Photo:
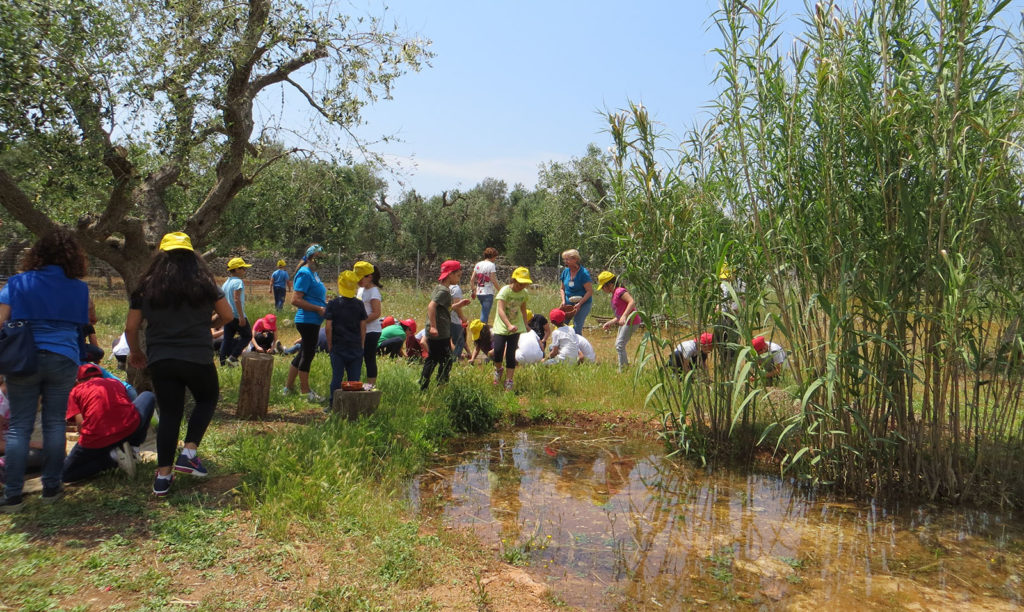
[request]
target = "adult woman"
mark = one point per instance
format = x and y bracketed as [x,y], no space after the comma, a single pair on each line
[482,282]
[369,293]
[309,295]
[624,308]
[176,296]
[576,289]
[51,297]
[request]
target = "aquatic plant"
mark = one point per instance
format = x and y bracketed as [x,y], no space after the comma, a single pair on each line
[865,188]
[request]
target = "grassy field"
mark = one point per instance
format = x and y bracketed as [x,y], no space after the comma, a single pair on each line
[302,511]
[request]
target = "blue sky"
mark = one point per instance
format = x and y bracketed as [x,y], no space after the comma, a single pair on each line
[516,84]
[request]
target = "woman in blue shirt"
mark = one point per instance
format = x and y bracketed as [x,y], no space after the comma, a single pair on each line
[51,297]
[576,290]
[309,295]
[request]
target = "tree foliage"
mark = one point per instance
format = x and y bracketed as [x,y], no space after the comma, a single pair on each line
[108,106]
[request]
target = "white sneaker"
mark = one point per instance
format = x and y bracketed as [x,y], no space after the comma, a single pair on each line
[126,459]
[286,391]
[315,397]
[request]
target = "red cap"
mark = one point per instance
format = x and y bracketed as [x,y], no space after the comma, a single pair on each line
[89,370]
[759,344]
[271,322]
[388,321]
[557,316]
[706,339]
[410,325]
[448,267]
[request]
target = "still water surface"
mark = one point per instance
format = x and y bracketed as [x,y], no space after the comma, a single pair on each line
[608,523]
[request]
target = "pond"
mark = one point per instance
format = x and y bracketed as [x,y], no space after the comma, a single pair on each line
[608,523]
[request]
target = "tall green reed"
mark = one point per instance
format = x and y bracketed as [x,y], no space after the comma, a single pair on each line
[866,186]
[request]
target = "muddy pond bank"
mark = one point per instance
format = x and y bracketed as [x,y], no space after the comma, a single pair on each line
[607,522]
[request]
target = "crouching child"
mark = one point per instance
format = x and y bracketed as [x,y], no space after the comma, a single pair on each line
[111,427]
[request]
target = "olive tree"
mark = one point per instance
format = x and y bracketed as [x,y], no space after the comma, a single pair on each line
[106,105]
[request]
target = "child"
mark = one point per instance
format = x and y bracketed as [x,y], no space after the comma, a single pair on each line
[439,336]
[392,337]
[279,284]
[480,333]
[264,334]
[234,290]
[587,353]
[511,306]
[346,331]
[692,352]
[111,427]
[529,349]
[564,346]
[624,308]
[415,341]
[369,293]
[772,356]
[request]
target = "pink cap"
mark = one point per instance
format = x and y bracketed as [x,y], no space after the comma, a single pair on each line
[706,339]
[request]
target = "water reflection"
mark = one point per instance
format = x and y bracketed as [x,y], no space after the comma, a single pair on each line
[610,523]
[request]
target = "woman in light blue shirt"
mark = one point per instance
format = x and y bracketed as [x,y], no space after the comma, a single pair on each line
[309,295]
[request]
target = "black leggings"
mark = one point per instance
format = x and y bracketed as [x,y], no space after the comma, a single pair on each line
[506,345]
[370,353]
[310,334]
[170,379]
[439,355]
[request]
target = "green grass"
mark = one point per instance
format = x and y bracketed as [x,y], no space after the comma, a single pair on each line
[293,499]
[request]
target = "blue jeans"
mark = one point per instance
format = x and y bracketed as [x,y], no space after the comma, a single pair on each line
[85,462]
[345,364]
[458,339]
[486,302]
[279,293]
[581,315]
[52,382]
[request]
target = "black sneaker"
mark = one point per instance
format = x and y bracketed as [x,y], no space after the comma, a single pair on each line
[52,494]
[162,486]
[190,466]
[11,504]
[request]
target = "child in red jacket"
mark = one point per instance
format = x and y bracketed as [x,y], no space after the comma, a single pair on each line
[111,427]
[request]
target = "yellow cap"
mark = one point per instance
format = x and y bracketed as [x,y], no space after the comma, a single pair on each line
[280,263]
[347,284]
[237,262]
[176,240]
[522,275]
[725,272]
[529,315]
[603,278]
[475,327]
[362,268]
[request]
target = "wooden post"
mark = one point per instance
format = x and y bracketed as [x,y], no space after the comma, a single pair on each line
[254,389]
[354,404]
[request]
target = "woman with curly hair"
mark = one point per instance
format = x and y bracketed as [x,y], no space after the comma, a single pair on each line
[179,299]
[53,299]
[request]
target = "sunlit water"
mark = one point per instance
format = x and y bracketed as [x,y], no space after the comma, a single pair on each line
[607,523]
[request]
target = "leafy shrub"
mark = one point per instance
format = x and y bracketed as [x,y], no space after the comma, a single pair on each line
[471,406]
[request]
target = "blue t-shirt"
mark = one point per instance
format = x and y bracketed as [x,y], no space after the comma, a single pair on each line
[230,286]
[307,282]
[56,323]
[279,278]
[575,286]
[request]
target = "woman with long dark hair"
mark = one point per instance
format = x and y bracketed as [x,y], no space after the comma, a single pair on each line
[50,295]
[309,295]
[180,301]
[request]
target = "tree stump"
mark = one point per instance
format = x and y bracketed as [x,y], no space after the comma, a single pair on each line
[354,404]
[254,389]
